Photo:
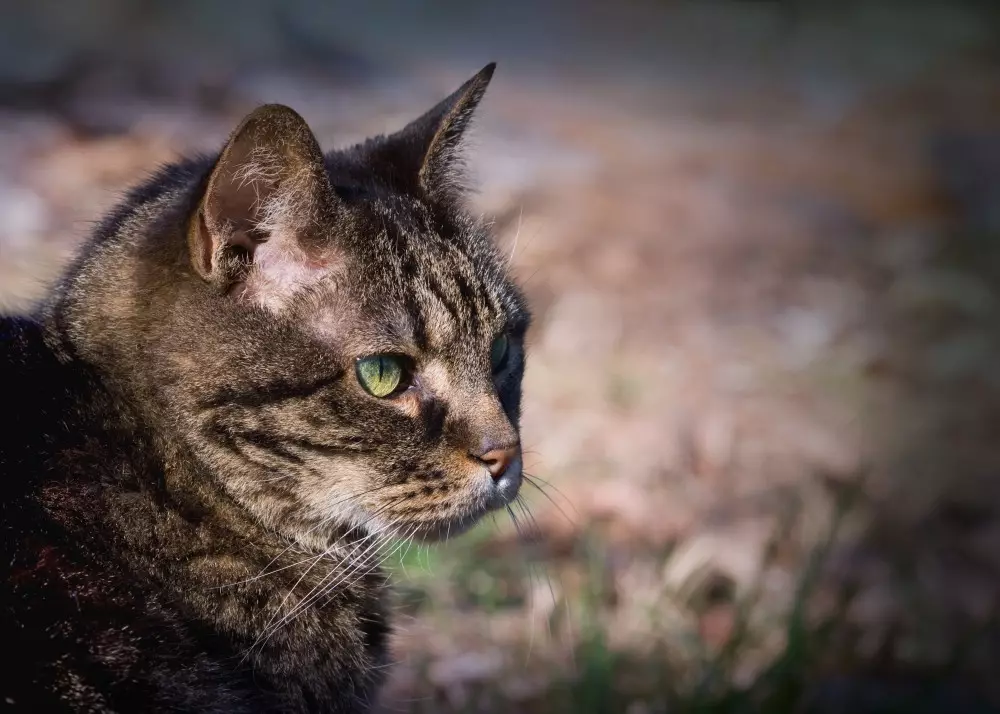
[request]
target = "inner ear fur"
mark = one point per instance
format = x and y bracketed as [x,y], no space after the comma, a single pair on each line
[267,187]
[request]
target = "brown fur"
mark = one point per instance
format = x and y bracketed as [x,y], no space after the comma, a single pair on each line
[197,496]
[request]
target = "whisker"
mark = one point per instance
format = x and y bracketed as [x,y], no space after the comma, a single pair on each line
[373,560]
[548,581]
[317,525]
[403,556]
[282,603]
[524,283]
[517,234]
[534,530]
[380,560]
[323,588]
[272,626]
[263,574]
[513,518]
[531,583]
[400,542]
[533,482]
[548,484]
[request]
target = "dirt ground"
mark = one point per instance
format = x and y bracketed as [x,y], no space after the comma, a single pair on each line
[761,243]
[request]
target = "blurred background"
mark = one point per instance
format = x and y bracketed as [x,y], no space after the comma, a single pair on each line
[760,238]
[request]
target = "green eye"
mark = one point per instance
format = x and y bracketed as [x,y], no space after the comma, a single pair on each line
[380,375]
[498,352]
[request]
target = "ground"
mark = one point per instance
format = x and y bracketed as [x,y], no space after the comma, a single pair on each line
[761,244]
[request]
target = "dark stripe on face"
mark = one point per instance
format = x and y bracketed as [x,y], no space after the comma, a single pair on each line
[472,286]
[233,443]
[280,444]
[418,322]
[491,300]
[269,443]
[269,393]
[409,268]
[450,305]
[433,414]
[464,289]
[429,475]
[340,448]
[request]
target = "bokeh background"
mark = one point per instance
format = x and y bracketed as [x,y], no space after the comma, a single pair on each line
[761,242]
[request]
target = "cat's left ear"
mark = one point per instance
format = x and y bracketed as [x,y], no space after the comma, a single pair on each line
[256,224]
[427,152]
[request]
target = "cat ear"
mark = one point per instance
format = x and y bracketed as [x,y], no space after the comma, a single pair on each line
[261,204]
[427,150]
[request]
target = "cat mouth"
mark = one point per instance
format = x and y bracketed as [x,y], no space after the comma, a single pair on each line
[488,495]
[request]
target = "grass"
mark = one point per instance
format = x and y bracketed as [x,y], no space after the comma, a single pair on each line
[813,671]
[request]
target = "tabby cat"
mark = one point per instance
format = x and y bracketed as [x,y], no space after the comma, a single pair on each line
[263,366]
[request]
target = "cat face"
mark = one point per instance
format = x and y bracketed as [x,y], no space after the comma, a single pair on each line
[375,342]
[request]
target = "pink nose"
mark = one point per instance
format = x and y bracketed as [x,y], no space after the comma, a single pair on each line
[497,460]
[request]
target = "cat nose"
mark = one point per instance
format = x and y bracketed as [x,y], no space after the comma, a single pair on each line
[497,460]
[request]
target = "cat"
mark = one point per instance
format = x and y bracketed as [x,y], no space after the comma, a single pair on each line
[262,367]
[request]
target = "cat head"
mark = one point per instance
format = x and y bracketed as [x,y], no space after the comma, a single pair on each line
[361,345]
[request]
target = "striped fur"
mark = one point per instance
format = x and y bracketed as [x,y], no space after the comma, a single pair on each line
[202,455]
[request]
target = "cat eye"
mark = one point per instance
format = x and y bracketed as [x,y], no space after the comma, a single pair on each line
[498,352]
[381,375]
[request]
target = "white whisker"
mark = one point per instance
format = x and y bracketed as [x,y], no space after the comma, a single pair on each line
[517,234]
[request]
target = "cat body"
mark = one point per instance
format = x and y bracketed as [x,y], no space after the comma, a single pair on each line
[264,367]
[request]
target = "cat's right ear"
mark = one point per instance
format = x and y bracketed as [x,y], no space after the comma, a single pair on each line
[267,192]
[425,155]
